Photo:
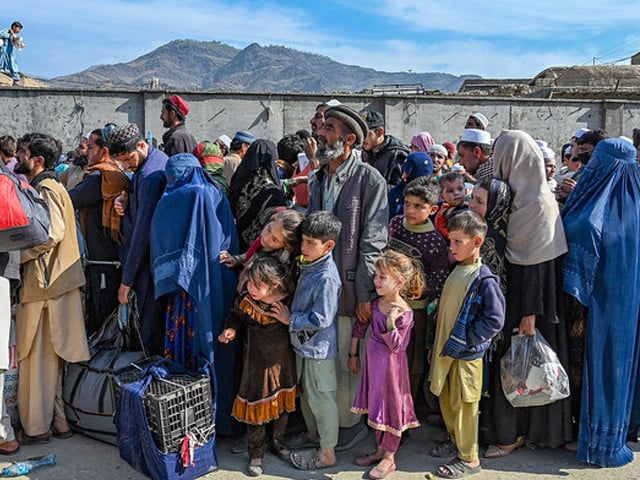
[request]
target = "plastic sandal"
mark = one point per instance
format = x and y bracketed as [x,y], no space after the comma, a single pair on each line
[456,468]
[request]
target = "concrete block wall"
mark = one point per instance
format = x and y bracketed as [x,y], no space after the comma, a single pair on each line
[68,114]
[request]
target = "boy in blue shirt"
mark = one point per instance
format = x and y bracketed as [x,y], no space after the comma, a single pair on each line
[313,332]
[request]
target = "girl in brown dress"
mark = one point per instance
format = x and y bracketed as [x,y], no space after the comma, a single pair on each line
[268,385]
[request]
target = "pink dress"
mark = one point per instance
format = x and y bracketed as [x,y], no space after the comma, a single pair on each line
[385,392]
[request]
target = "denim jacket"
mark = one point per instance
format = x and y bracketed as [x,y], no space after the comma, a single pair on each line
[312,327]
[481,317]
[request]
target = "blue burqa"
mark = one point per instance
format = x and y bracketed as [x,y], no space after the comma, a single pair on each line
[602,271]
[191,225]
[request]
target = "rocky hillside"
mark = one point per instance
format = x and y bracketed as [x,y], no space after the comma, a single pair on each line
[215,66]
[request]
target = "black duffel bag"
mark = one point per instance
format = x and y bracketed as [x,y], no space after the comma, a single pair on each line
[88,388]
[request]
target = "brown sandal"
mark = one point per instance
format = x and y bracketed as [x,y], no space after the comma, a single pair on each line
[24,439]
[499,451]
[369,460]
[308,460]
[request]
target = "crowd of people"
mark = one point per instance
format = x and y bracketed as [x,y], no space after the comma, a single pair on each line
[368,283]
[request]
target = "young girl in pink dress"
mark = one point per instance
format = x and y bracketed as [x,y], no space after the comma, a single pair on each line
[385,392]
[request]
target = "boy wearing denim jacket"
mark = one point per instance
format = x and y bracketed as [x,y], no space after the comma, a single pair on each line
[313,333]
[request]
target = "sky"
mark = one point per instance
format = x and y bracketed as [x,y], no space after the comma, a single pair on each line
[497,39]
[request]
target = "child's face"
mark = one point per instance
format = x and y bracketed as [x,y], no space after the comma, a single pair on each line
[313,248]
[257,290]
[272,237]
[464,248]
[416,210]
[385,283]
[453,193]
[479,201]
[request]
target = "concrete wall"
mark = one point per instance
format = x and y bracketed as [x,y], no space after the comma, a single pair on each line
[67,114]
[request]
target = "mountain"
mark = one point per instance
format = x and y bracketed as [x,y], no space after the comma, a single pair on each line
[215,66]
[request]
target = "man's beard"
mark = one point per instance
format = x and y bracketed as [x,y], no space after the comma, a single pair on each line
[22,168]
[331,152]
[80,160]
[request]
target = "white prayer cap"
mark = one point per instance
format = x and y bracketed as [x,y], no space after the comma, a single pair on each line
[481,118]
[580,132]
[333,103]
[439,149]
[225,139]
[542,143]
[458,168]
[547,153]
[476,136]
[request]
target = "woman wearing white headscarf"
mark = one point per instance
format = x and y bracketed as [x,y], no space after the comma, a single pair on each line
[535,239]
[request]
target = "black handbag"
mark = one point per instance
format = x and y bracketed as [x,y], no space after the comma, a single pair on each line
[88,390]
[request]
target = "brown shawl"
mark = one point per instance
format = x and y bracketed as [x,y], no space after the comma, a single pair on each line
[114,182]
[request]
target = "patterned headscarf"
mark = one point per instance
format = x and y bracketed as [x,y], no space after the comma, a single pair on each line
[498,203]
[422,140]
[260,159]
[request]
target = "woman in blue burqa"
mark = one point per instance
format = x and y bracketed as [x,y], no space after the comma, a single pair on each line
[191,225]
[602,271]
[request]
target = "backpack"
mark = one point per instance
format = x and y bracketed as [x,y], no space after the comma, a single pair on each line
[24,215]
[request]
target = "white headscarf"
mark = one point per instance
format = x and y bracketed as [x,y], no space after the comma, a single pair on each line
[534,232]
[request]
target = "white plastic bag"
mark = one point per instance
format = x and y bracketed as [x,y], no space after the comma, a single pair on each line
[531,373]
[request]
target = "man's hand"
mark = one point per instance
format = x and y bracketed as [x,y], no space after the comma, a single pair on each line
[354,364]
[120,203]
[363,312]
[310,147]
[565,188]
[295,181]
[123,293]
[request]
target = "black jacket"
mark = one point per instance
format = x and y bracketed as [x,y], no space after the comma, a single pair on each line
[388,159]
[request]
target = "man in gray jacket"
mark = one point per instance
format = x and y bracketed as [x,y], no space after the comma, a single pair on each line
[357,194]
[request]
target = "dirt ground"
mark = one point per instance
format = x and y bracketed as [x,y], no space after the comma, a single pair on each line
[5,80]
[83,458]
